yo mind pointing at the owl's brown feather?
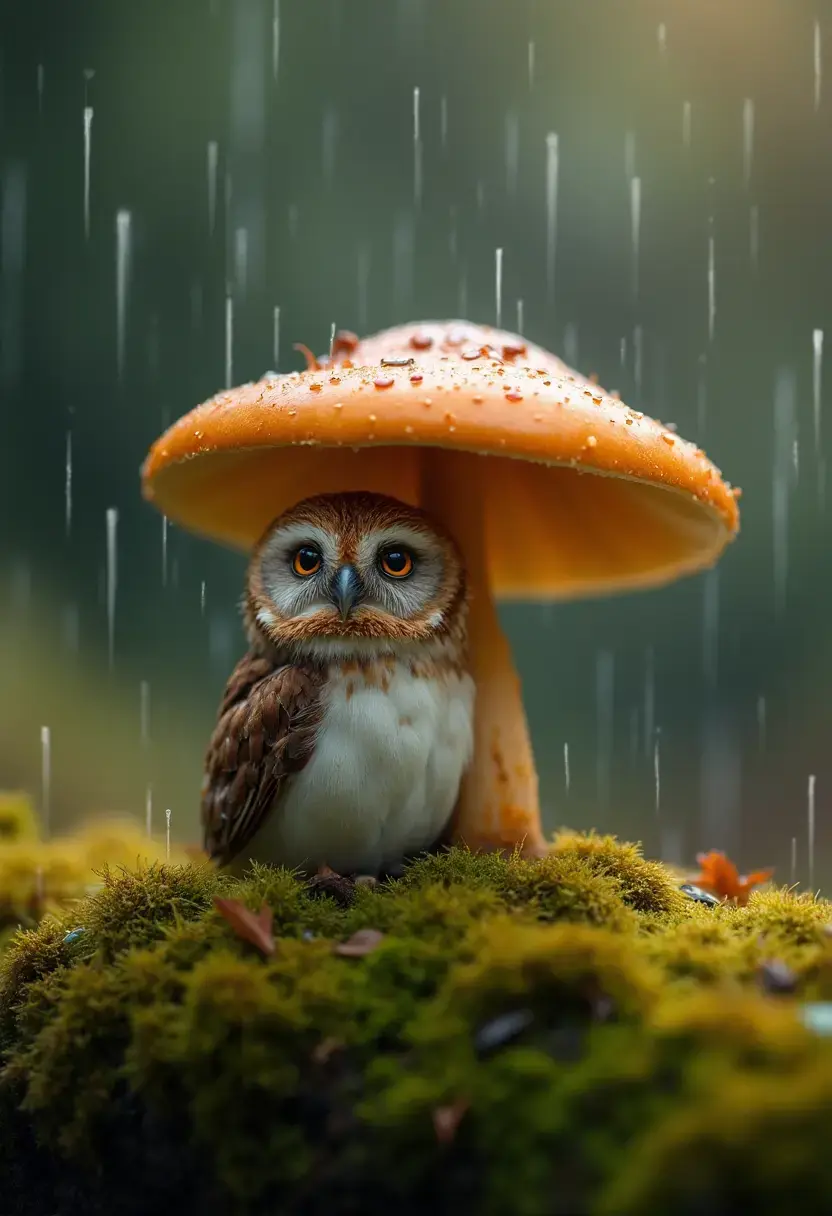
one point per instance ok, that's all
(265, 732)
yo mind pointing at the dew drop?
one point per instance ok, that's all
(421, 340)
(513, 395)
(416, 378)
(591, 441)
(315, 388)
(383, 381)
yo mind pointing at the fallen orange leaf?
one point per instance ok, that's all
(721, 876)
(254, 927)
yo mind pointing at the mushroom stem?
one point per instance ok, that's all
(498, 804)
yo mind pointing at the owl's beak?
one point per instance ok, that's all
(346, 590)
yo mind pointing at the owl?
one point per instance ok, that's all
(344, 732)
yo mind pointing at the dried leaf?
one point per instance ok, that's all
(446, 1120)
(254, 927)
(364, 941)
(720, 875)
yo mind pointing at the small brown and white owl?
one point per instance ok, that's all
(344, 732)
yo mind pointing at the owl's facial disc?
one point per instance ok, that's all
(352, 566)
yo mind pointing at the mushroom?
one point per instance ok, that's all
(498, 440)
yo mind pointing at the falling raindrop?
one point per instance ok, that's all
(123, 251)
(229, 341)
(570, 344)
(784, 436)
(530, 64)
(635, 229)
(566, 779)
(329, 142)
(40, 88)
(332, 330)
(604, 706)
(622, 352)
(148, 810)
(68, 485)
(87, 156)
(167, 834)
(12, 258)
(551, 211)
(520, 319)
(112, 575)
(793, 868)
(711, 280)
(512, 152)
(657, 775)
(417, 149)
(817, 365)
(747, 139)
(144, 714)
(275, 39)
(649, 699)
(761, 723)
(687, 119)
(276, 337)
(212, 163)
(443, 122)
(202, 598)
(241, 260)
(164, 550)
(661, 37)
(498, 286)
(810, 815)
(46, 778)
(754, 236)
(638, 360)
(818, 65)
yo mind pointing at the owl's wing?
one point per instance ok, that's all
(265, 732)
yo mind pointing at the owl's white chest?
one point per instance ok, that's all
(384, 775)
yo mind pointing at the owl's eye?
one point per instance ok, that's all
(395, 562)
(306, 561)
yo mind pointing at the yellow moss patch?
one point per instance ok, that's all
(560, 1035)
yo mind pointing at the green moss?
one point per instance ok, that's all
(584, 1038)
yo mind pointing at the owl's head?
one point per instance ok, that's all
(342, 567)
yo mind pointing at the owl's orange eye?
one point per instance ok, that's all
(395, 563)
(306, 561)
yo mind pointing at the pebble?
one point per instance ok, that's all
(698, 895)
(776, 978)
(817, 1016)
(502, 1030)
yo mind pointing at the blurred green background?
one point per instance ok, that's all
(265, 152)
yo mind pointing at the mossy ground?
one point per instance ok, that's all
(564, 1036)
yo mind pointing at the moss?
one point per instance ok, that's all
(564, 1035)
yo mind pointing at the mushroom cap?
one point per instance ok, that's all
(362, 419)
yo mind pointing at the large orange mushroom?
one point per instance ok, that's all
(552, 488)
